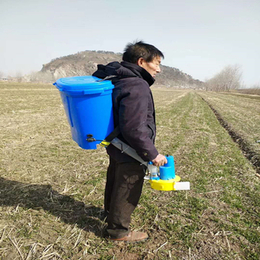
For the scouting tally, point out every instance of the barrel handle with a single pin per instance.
(94, 91)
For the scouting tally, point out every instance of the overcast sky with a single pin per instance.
(199, 37)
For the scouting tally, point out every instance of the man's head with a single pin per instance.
(145, 55)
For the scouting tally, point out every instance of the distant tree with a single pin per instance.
(40, 76)
(1, 74)
(227, 79)
(18, 76)
(256, 86)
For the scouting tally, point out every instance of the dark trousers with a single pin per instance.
(123, 190)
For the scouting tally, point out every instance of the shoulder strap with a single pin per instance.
(108, 78)
(116, 131)
(106, 142)
(112, 135)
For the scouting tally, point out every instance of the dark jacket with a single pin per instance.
(133, 109)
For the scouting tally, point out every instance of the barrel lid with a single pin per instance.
(88, 84)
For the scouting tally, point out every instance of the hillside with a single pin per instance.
(85, 63)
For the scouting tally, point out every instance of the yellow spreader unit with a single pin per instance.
(164, 180)
(166, 185)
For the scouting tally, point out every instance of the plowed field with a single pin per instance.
(51, 191)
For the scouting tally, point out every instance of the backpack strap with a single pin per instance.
(107, 78)
(106, 142)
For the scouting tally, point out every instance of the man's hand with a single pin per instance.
(160, 160)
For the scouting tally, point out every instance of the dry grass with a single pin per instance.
(51, 191)
(241, 117)
(251, 91)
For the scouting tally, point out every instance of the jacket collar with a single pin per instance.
(139, 71)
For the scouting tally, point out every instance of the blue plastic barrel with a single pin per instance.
(88, 105)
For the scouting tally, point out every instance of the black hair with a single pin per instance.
(134, 51)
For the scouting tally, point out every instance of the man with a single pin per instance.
(134, 114)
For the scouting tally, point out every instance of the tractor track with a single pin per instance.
(244, 146)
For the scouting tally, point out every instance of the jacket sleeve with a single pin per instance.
(133, 111)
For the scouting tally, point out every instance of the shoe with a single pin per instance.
(132, 237)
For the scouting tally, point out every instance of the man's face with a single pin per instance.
(153, 67)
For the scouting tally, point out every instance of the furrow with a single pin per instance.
(248, 152)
